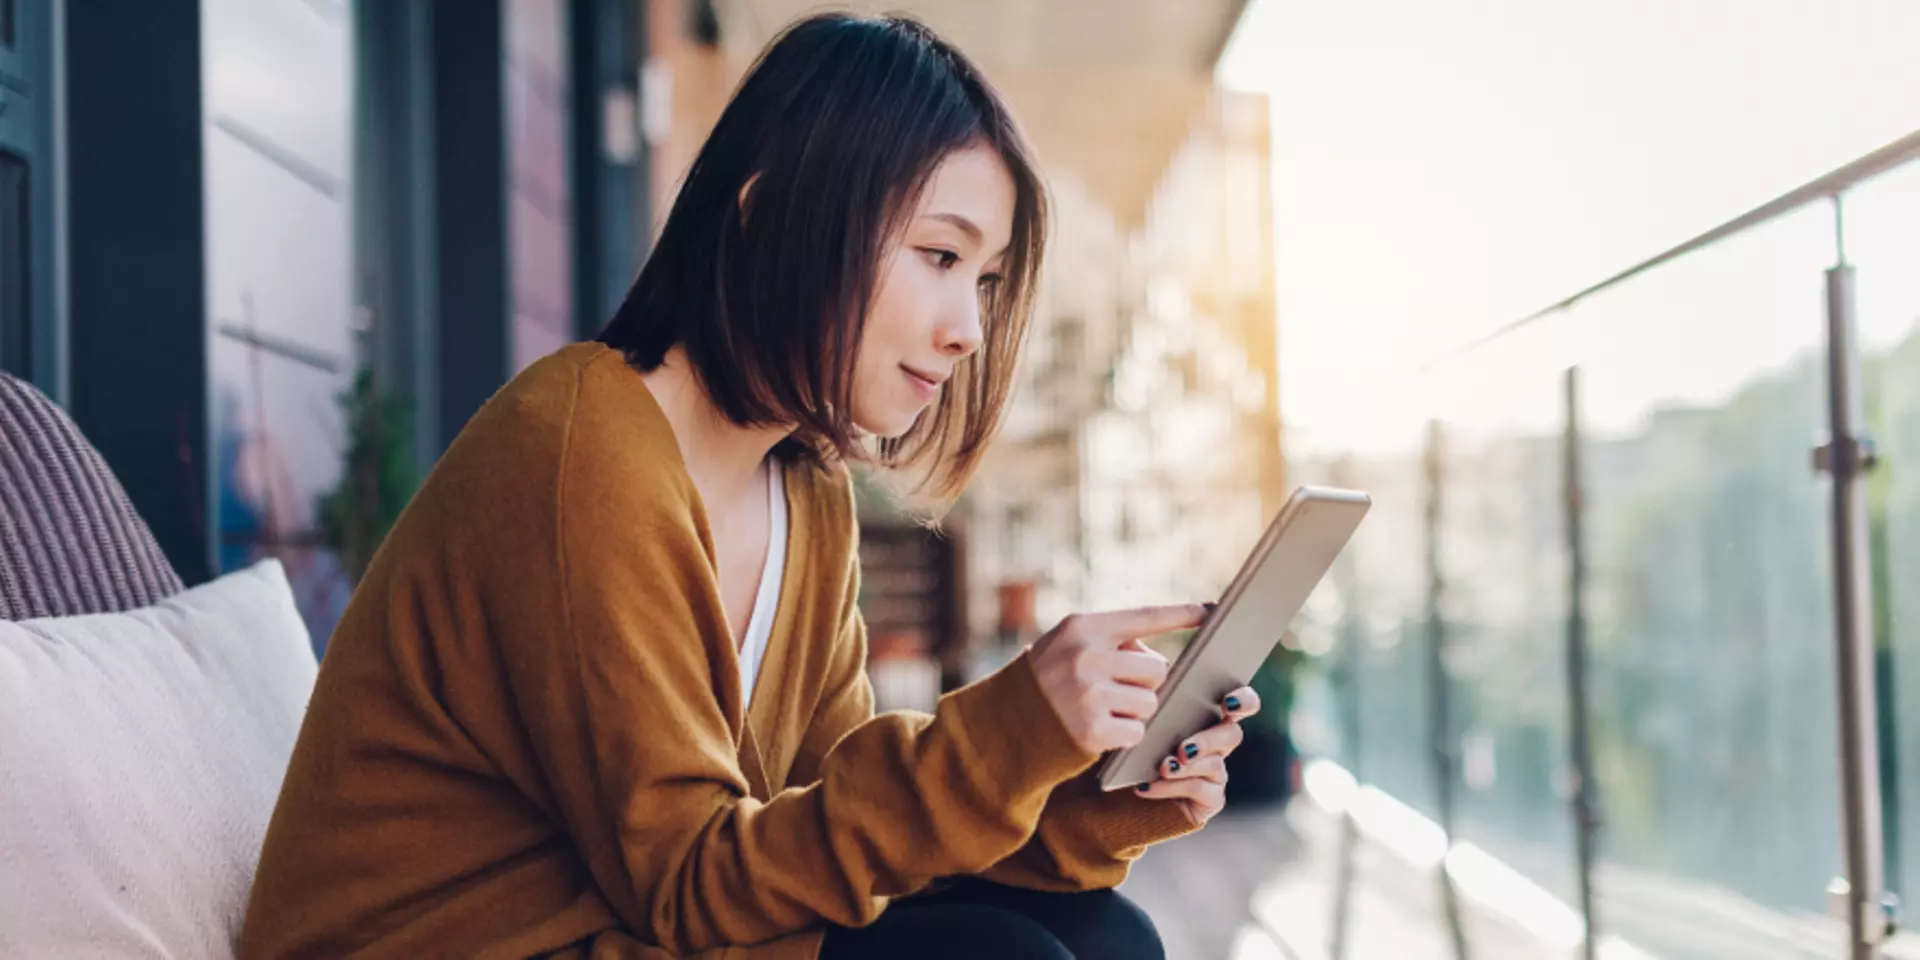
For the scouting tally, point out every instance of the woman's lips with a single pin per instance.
(927, 386)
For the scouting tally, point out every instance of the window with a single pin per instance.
(14, 242)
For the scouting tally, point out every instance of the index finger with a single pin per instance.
(1123, 625)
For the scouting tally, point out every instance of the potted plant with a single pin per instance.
(377, 478)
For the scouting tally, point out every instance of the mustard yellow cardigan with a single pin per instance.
(529, 738)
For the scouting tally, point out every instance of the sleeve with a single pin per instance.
(639, 757)
(1086, 838)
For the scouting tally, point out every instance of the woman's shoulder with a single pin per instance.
(580, 420)
(540, 405)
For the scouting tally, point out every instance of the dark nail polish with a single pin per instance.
(1232, 703)
(1142, 788)
(1193, 750)
(1211, 607)
(1173, 766)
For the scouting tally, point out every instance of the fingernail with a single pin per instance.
(1211, 606)
(1142, 788)
(1193, 750)
(1173, 766)
(1232, 703)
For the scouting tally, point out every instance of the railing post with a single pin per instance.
(1439, 694)
(1586, 819)
(1846, 457)
(1352, 728)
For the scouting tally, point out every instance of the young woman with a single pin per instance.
(601, 694)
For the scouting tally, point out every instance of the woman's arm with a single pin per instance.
(1086, 838)
(615, 689)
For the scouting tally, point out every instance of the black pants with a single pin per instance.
(978, 919)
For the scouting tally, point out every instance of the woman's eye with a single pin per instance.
(943, 259)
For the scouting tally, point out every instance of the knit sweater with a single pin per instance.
(528, 736)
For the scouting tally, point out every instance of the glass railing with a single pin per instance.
(1711, 616)
(1384, 617)
(1613, 533)
(1502, 600)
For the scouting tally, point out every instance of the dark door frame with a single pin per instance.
(30, 342)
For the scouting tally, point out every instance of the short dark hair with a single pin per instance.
(838, 126)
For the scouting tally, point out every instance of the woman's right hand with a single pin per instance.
(1100, 678)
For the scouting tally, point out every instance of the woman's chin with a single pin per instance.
(894, 432)
(893, 425)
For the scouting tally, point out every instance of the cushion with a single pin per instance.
(70, 542)
(141, 754)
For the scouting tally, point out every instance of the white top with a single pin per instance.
(766, 601)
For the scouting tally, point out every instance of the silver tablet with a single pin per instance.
(1297, 550)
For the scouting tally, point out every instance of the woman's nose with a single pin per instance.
(960, 334)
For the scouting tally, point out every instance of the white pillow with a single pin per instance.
(140, 757)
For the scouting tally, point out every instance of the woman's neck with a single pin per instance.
(721, 456)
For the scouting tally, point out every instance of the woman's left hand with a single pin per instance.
(1196, 776)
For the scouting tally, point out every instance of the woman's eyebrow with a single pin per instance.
(965, 225)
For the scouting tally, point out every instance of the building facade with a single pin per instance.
(215, 215)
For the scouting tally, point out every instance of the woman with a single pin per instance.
(601, 693)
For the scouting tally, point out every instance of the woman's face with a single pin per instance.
(925, 315)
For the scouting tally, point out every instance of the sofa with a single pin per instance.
(144, 727)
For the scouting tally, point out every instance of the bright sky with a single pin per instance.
(1442, 168)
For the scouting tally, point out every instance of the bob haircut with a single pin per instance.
(838, 127)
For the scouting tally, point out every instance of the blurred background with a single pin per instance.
(1616, 666)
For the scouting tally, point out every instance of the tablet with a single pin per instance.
(1295, 553)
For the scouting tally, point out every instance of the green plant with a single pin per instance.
(378, 476)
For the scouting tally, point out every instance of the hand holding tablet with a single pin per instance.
(1098, 676)
(1291, 558)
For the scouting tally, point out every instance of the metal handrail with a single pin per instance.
(1832, 184)
(1861, 895)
